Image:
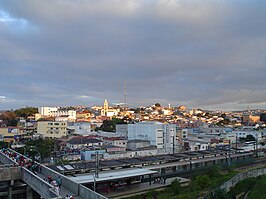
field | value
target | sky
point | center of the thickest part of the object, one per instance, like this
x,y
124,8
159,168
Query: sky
x,y
208,54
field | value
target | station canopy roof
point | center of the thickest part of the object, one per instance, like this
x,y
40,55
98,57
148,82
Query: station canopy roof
x,y
112,175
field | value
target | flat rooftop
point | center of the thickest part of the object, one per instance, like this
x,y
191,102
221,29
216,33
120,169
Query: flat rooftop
x,y
112,175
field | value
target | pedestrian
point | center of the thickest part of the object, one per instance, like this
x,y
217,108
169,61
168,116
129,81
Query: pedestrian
x,y
49,179
57,190
67,197
59,182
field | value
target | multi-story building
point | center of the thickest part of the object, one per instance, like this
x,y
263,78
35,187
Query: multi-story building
x,y
163,136
52,129
84,116
71,114
251,119
11,134
55,112
80,128
46,111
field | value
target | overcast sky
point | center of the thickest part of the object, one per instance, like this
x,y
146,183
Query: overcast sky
x,y
198,53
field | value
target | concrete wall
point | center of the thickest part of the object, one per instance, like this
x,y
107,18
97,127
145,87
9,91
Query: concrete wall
x,y
38,184
84,192
241,176
69,184
80,190
8,173
6,160
44,188
35,182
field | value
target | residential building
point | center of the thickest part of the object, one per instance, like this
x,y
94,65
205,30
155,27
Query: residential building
x,y
71,114
52,129
11,134
46,111
80,128
115,141
163,136
83,141
250,119
56,112
84,116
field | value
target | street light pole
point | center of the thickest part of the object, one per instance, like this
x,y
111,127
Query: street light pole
x,y
63,166
24,150
33,149
94,181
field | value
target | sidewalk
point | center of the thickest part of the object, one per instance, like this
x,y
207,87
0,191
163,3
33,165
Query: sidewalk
x,y
142,188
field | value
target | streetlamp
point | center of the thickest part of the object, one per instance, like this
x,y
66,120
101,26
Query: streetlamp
x,y
94,181
33,149
24,152
63,165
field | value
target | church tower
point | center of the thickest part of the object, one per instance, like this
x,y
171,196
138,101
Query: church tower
x,y
105,107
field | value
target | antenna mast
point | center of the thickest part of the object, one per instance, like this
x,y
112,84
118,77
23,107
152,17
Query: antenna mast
x,y
125,95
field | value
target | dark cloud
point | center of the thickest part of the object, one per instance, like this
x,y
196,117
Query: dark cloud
x,y
209,54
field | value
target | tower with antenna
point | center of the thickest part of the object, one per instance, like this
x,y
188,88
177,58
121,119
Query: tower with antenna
x,y
125,95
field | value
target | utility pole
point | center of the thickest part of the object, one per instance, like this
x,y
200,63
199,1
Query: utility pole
x,y
97,164
229,154
256,147
236,141
173,144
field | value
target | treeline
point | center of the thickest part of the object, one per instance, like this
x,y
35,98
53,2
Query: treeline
x,y
11,118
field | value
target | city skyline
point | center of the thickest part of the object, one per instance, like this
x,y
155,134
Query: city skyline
x,y
208,55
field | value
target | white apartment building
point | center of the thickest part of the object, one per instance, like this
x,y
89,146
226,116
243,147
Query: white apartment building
x,y
161,135
52,129
243,134
55,112
81,128
46,111
72,115
215,130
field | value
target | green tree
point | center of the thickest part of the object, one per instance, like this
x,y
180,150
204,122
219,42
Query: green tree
x,y
26,112
9,118
219,193
44,146
263,117
118,121
108,125
203,181
3,145
174,187
157,105
248,138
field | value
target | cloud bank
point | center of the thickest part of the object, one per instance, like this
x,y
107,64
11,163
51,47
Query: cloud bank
x,y
206,54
